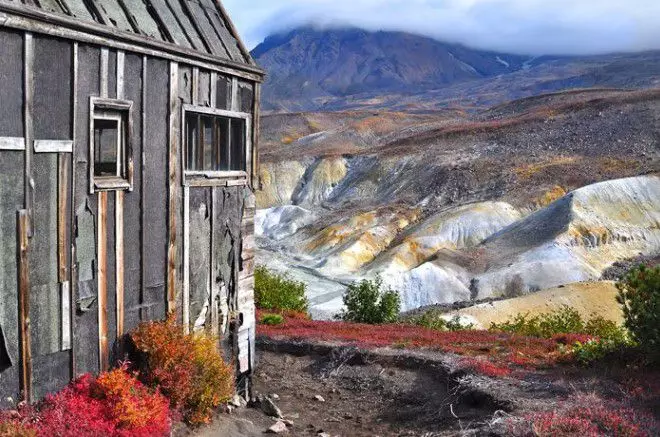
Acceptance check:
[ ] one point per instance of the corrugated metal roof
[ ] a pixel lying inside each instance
(200, 25)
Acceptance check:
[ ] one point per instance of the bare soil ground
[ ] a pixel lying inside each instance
(389, 392)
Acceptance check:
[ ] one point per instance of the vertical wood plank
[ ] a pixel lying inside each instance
(119, 260)
(102, 258)
(24, 306)
(186, 259)
(256, 128)
(62, 208)
(103, 74)
(195, 86)
(28, 79)
(173, 181)
(120, 74)
(74, 266)
(214, 89)
(214, 286)
(235, 106)
(63, 203)
(143, 192)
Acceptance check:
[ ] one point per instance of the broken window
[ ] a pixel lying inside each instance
(215, 143)
(110, 144)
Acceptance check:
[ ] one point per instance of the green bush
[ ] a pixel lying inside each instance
(563, 321)
(434, 320)
(367, 302)
(272, 319)
(278, 292)
(639, 295)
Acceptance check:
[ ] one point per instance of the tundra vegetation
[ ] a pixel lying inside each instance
(525, 344)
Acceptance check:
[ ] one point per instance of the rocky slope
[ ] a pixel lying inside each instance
(526, 196)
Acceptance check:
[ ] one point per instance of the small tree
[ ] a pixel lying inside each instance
(277, 292)
(367, 302)
(639, 295)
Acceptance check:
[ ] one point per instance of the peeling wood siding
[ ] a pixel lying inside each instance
(95, 264)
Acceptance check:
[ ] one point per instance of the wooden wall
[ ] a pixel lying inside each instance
(137, 239)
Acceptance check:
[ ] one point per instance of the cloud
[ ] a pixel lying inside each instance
(518, 26)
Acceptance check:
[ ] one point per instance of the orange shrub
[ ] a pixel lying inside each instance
(187, 368)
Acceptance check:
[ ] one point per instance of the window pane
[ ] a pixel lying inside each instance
(237, 144)
(207, 143)
(222, 124)
(223, 93)
(192, 140)
(105, 147)
(245, 97)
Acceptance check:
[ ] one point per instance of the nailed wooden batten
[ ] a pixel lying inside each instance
(28, 79)
(173, 184)
(102, 275)
(24, 306)
(119, 260)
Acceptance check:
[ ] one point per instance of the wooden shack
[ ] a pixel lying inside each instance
(128, 155)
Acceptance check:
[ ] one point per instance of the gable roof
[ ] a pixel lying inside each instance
(199, 25)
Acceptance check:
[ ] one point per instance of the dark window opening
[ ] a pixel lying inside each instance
(215, 143)
(223, 93)
(107, 147)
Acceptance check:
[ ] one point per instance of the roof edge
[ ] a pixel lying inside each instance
(95, 29)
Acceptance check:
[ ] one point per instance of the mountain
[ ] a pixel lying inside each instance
(335, 69)
(312, 63)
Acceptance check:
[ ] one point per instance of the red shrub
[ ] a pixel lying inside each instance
(116, 405)
(188, 369)
(484, 367)
(587, 416)
(501, 349)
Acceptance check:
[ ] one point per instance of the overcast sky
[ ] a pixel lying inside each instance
(521, 26)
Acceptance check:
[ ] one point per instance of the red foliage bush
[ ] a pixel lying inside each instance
(188, 369)
(485, 367)
(114, 405)
(501, 349)
(587, 416)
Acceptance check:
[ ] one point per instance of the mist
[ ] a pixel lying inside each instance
(531, 27)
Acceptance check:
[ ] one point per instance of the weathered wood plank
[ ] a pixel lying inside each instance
(102, 259)
(119, 260)
(28, 72)
(186, 259)
(24, 305)
(120, 74)
(63, 201)
(173, 182)
(103, 73)
(74, 265)
(53, 146)
(256, 128)
(12, 143)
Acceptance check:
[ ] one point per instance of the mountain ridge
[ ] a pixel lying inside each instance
(349, 68)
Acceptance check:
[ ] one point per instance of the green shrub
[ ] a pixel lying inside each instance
(278, 292)
(639, 295)
(563, 321)
(434, 320)
(367, 302)
(272, 319)
(595, 349)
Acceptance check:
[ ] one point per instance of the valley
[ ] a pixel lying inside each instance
(451, 206)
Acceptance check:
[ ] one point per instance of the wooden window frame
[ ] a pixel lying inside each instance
(122, 112)
(207, 177)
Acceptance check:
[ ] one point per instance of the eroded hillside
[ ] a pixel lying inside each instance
(448, 206)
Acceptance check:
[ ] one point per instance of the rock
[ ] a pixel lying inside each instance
(274, 396)
(323, 434)
(288, 422)
(319, 398)
(269, 408)
(278, 428)
(238, 401)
